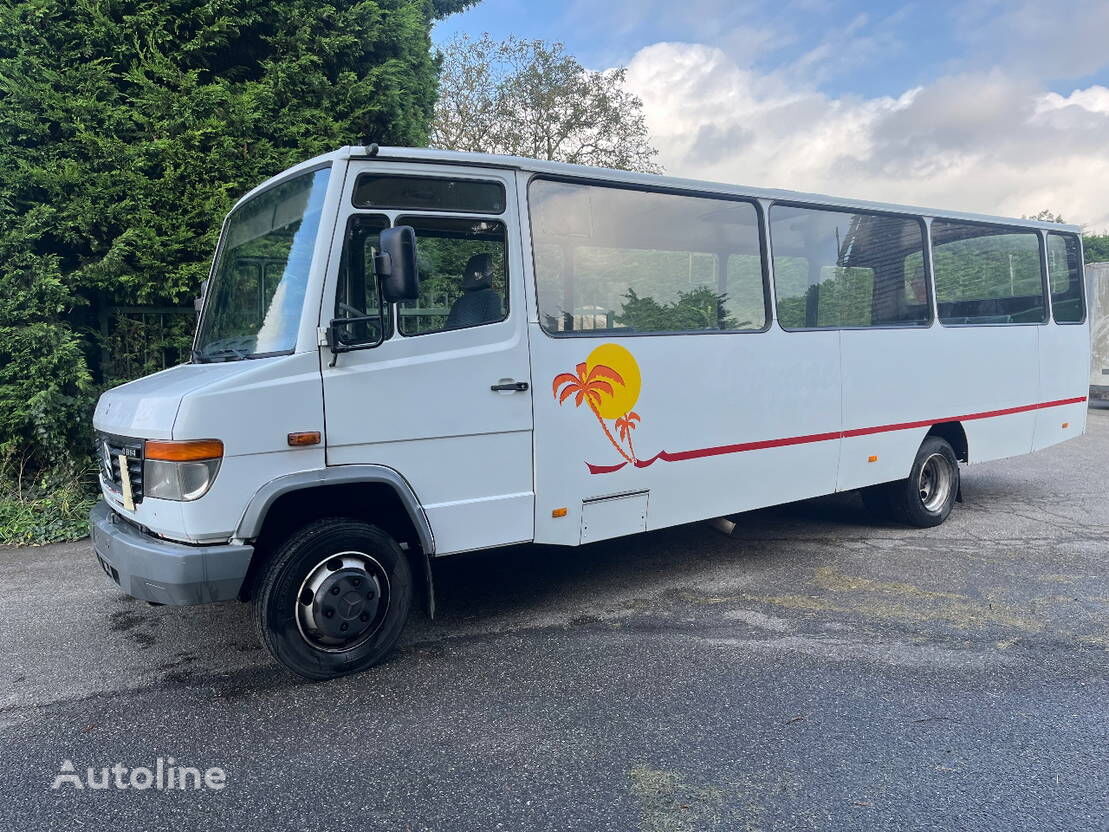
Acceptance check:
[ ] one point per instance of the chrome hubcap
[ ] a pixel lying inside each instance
(935, 482)
(342, 602)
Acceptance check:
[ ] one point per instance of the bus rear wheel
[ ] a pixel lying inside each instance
(926, 497)
(334, 599)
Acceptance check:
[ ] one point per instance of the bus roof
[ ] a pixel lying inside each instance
(649, 180)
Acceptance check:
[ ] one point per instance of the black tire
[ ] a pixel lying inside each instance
(925, 500)
(343, 565)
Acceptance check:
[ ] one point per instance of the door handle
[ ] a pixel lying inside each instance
(513, 386)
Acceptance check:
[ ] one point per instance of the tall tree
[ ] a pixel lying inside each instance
(1094, 246)
(529, 98)
(128, 127)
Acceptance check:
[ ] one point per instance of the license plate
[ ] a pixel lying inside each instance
(125, 483)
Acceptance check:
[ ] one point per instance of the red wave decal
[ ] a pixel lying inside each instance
(604, 469)
(720, 450)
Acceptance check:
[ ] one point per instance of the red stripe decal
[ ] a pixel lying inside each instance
(988, 414)
(720, 450)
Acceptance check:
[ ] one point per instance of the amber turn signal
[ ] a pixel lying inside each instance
(187, 450)
(872, 459)
(558, 512)
(304, 437)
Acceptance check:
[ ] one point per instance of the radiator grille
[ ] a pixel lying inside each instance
(111, 447)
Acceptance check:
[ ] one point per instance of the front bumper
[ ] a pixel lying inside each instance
(151, 569)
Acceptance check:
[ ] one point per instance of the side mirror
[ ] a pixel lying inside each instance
(198, 302)
(395, 266)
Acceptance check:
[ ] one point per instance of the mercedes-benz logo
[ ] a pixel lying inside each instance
(106, 459)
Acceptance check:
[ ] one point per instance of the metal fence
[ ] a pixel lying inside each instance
(138, 340)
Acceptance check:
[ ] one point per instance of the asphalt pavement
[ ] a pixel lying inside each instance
(815, 670)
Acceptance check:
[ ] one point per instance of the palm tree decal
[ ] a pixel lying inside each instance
(624, 427)
(590, 386)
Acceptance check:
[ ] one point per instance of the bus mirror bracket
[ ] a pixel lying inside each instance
(336, 344)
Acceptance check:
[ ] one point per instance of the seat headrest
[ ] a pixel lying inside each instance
(478, 273)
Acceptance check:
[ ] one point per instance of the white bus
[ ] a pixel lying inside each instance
(458, 351)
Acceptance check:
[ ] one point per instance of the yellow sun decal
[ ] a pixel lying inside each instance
(625, 395)
(607, 383)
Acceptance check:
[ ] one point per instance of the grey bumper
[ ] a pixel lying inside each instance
(156, 570)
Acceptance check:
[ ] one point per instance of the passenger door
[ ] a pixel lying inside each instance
(420, 401)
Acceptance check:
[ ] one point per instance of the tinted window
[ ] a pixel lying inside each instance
(625, 261)
(987, 274)
(373, 190)
(841, 269)
(358, 295)
(463, 275)
(1064, 269)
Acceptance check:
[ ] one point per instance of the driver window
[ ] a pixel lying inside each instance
(357, 295)
(462, 275)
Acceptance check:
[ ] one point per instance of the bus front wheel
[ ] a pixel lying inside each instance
(334, 598)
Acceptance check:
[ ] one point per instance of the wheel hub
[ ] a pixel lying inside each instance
(342, 601)
(935, 482)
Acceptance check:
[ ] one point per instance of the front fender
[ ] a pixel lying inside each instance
(255, 514)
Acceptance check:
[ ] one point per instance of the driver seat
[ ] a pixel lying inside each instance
(478, 304)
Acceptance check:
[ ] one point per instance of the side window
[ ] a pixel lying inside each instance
(1064, 269)
(625, 261)
(916, 279)
(987, 274)
(837, 269)
(428, 193)
(744, 290)
(357, 295)
(463, 275)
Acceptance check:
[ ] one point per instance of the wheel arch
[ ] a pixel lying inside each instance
(374, 493)
(956, 437)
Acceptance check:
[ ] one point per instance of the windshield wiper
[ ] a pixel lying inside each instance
(223, 349)
(218, 356)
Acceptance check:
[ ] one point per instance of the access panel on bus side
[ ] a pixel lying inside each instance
(651, 376)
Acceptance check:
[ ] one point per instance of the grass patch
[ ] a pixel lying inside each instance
(51, 507)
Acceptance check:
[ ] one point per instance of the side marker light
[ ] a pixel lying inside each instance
(304, 437)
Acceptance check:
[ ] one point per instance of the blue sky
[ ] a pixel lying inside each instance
(998, 106)
(871, 48)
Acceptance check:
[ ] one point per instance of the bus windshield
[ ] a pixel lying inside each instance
(254, 302)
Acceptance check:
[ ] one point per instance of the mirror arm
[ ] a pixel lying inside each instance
(336, 346)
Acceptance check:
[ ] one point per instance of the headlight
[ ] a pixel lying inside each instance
(181, 470)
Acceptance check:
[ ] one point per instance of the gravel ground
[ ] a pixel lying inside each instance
(813, 671)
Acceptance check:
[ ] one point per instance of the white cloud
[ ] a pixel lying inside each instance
(1057, 40)
(983, 141)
